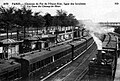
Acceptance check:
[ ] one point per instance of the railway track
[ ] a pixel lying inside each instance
(74, 71)
(81, 69)
(108, 42)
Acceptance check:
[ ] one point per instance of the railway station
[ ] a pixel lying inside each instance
(61, 47)
(73, 56)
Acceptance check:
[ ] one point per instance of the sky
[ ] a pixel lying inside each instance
(95, 10)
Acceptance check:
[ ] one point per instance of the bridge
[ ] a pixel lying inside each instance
(112, 24)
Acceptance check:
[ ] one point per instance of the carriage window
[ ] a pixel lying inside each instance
(56, 57)
(48, 60)
(59, 55)
(78, 46)
(11, 75)
(31, 67)
(68, 51)
(14, 74)
(34, 66)
(41, 63)
(16, 71)
(37, 65)
(44, 62)
(3, 76)
(62, 53)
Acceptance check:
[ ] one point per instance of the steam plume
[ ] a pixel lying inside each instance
(97, 28)
(97, 40)
(97, 31)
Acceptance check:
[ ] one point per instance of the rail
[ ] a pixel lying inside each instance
(80, 76)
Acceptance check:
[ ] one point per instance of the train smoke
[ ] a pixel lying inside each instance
(97, 31)
(97, 41)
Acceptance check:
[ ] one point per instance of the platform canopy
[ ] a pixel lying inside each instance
(32, 38)
(48, 36)
(9, 41)
(37, 36)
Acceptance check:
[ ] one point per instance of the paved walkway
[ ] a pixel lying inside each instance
(117, 74)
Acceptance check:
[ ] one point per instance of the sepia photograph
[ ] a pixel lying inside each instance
(59, 40)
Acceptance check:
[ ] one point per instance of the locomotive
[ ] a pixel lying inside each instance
(45, 62)
(103, 68)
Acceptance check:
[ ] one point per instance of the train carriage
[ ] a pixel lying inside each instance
(40, 64)
(9, 70)
(80, 47)
(44, 61)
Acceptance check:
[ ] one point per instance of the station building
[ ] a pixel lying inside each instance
(39, 40)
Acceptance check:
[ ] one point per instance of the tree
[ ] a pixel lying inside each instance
(72, 20)
(26, 16)
(7, 16)
(66, 20)
(62, 16)
(37, 20)
(18, 20)
(48, 20)
(56, 21)
(2, 27)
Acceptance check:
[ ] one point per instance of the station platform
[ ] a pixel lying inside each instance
(117, 74)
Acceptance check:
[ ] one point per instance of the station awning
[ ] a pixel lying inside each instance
(32, 38)
(37, 36)
(9, 41)
(48, 36)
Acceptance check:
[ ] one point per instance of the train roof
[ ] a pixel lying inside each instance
(44, 54)
(80, 41)
(32, 58)
(8, 65)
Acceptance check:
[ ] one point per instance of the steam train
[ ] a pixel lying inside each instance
(42, 63)
(103, 67)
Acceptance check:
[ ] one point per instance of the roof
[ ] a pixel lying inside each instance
(32, 38)
(9, 41)
(32, 58)
(37, 56)
(76, 43)
(48, 36)
(44, 54)
(37, 36)
(6, 65)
